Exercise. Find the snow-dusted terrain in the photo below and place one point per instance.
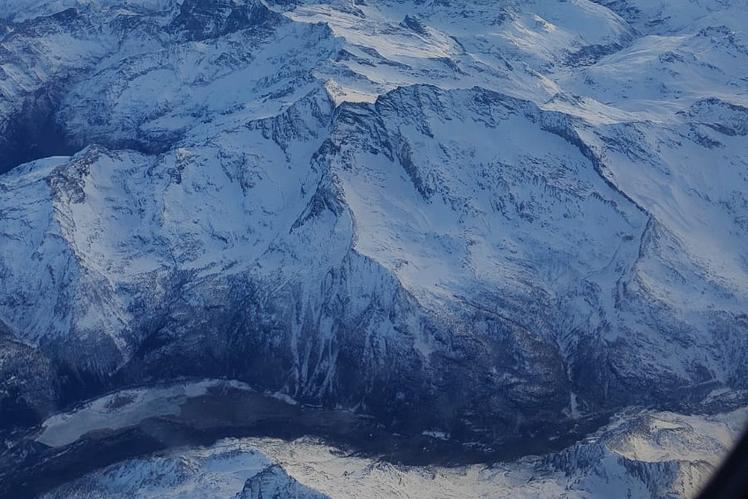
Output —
(485, 219)
(230, 469)
(639, 454)
(644, 454)
(121, 410)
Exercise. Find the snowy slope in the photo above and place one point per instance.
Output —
(230, 469)
(642, 454)
(639, 453)
(465, 217)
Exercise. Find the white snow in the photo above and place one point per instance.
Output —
(123, 409)
(602, 465)
(575, 168)
(221, 470)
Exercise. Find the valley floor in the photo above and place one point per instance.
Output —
(638, 454)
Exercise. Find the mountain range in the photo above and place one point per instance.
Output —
(501, 221)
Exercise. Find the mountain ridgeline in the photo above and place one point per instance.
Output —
(494, 219)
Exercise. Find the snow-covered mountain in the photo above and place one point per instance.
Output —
(492, 219)
(639, 454)
(232, 470)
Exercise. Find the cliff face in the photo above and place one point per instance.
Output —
(480, 218)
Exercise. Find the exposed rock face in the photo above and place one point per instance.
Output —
(274, 483)
(27, 382)
(483, 220)
(203, 19)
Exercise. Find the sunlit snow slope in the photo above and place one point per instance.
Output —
(485, 218)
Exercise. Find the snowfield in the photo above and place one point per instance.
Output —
(493, 220)
(638, 454)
